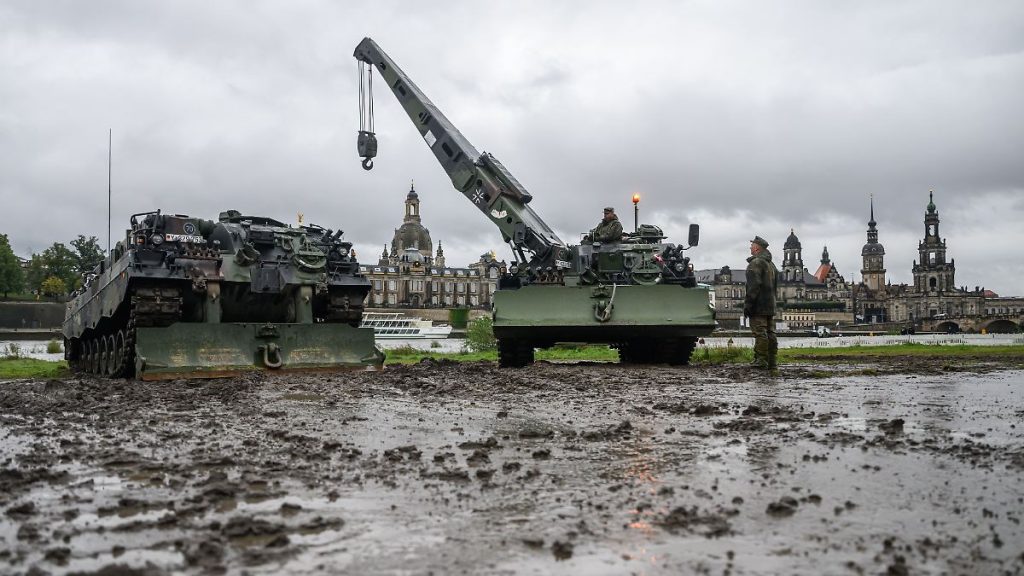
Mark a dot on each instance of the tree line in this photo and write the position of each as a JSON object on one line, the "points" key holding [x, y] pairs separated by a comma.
{"points": [[54, 272]]}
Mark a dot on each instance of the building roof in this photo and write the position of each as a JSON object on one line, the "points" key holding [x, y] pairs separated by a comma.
{"points": [[822, 272], [792, 241]]}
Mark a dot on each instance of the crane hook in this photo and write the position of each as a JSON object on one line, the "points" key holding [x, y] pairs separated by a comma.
{"points": [[366, 143]]}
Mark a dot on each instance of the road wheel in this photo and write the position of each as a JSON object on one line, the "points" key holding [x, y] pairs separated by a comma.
{"points": [[514, 353], [676, 351], [118, 370], [639, 352], [526, 353], [103, 354], [90, 356], [112, 355]]}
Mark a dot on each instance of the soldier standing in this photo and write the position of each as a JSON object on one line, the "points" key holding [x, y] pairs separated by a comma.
{"points": [[609, 229], [759, 306]]}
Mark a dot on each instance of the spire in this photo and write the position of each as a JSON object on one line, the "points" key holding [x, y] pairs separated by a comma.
{"points": [[872, 222], [824, 256], [931, 201], [440, 252]]}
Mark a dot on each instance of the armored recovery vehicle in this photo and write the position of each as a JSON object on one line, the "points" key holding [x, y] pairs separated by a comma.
{"points": [[639, 295], [186, 297]]}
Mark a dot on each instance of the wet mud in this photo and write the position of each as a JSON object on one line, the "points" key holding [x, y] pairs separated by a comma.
{"points": [[890, 466]]}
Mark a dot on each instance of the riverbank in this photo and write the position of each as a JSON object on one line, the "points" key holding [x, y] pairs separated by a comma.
{"points": [[918, 356]]}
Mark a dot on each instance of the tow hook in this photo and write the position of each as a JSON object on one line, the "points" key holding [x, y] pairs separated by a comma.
{"points": [[271, 350], [603, 308]]}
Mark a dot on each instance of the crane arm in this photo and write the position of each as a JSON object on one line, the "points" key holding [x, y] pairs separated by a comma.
{"points": [[481, 178]]}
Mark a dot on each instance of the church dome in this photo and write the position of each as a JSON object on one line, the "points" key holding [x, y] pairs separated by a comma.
{"points": [[872, 249], [411, 254], [792, 242], [412, 235]]}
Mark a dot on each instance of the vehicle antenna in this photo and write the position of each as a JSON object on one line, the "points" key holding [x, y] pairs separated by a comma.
{"points": [[110, 138]]}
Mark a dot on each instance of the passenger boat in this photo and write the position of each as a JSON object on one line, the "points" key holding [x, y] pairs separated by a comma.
{"points": [[397, 325]]}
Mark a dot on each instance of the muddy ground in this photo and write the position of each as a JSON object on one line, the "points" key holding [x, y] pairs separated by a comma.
{"points": [[895, 466]]}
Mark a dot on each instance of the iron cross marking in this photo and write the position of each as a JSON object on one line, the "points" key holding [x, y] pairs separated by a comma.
{"points": [[478, 197]]}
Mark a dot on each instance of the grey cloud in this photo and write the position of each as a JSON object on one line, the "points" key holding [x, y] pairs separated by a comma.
{"points": [[796, 111]]}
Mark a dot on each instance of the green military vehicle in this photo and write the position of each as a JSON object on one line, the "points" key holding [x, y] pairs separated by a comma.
{"points": [[186, 297], [638, 294]]}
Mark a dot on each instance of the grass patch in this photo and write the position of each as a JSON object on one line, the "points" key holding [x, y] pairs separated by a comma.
{"points": [[561, 352], [899, 350], [579, 353], [31, 368], [707, 356]]}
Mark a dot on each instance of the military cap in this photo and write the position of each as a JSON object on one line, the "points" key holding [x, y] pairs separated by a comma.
{"points": [[609, 209], [759, 241]]}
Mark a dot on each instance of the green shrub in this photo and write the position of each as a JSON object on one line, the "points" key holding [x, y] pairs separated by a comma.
{"points": [[480, 336], [54, 347]]}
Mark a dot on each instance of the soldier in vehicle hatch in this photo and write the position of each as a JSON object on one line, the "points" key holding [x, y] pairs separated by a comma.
{"points": [[609, 229], [759, 306]]}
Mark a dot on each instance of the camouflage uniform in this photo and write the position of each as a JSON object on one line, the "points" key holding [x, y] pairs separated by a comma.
{"points": [[762, 283], [608, 230]]}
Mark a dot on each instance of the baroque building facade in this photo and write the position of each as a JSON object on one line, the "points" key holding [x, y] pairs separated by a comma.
{"points": [[804, 300], [412, 275], [932, 302]]}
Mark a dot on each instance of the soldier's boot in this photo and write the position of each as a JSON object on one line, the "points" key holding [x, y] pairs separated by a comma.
{"points": [[773, 357], [760, 361]]}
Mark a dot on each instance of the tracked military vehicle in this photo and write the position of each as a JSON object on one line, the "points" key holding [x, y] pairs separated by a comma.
{"points": [[186, 297], [638, 294]]}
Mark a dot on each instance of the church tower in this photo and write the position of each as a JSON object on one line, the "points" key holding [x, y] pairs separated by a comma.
{"points": [[931, 272], [439, 259], [411, 235], [792, 260], [873, 255]]}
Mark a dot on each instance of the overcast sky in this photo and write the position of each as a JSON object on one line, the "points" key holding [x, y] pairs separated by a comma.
{"points": [[745, 117]]}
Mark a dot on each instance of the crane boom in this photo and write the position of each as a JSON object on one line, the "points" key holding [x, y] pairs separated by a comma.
{"points": [[481, 178]]}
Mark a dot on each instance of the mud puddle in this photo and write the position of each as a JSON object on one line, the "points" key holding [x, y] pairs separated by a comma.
{"points": [[587, 469]]}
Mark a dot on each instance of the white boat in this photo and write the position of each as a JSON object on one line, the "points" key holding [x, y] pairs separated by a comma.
{"points": [[397, 325]]}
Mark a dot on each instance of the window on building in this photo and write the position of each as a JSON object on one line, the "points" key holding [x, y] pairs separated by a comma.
{"points": [[460, 287], [492, 273], [392, 285], [392, 299], [472, 288], [378, 285]]}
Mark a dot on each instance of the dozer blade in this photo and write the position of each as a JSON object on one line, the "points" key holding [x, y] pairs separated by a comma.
{"points": [[194, 350]]}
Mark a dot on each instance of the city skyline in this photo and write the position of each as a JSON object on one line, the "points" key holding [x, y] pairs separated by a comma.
{"points": [[744, 118]]}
